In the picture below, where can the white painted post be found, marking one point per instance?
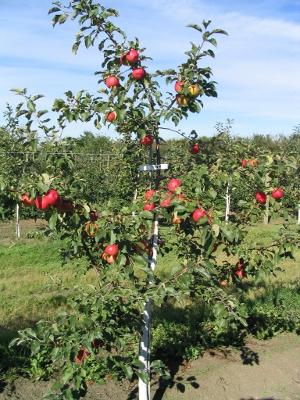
(227, 197)
(18, 231)
(144, 357)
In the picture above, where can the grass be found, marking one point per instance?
(34, 283)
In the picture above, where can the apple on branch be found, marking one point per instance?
(112, 81)
(277, 194)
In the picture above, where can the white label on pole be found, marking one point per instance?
(153, 167)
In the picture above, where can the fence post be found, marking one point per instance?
(227, 197)
(18, 230)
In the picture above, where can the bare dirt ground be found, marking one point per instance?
(273, 375)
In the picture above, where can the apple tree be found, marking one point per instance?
(102, 331)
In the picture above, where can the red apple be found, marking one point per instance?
(112, 249)
(123, 59)
(179, 86)
(166, 202)
(149, 194)
(112, 81)
(198, 213)
(195, 148)
(149, 207)
(138, 74)
(173, 184)
(132, 56)
(111, 116)
(82, 355)
(261, 197)
(52, 197)
(41, 203)
(147, 140)
(26, 200)
(277, 194)
(244, 163)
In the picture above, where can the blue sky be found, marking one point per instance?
(257, 66)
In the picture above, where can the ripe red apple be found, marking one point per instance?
(166, 202)
(112, 81)
(244, 163)
(52, 197)
(277, 194)
(261, 197)
(123, 60)
(149, 194)
(132, 56)
(198, 213)
(149, 207)
(147, 140)
(173, 184)
(111, 116)
(138, 74)
(41, 203)
(195, 148)
(179, 86)
(26, 200)
(111, 249)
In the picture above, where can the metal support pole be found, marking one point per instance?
(298, 213)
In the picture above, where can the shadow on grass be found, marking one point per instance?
(13, 362)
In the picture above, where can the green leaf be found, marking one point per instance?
(53, 221)
(194, 26)
(87, 41)
(31, 106)
(128, 371)
(146, 214)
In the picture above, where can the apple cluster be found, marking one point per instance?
(173, 194)
(49, 199)
(261, 197)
